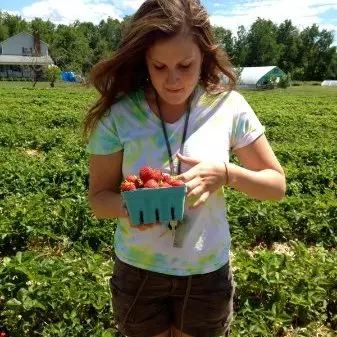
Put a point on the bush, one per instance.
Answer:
(284, 81)
(53, 73)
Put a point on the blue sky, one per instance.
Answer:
(227, 13)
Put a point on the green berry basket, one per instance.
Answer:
(150, 205)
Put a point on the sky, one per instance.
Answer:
(226, 13)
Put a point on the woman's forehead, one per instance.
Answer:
(176, 48)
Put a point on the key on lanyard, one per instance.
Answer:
(173, 225)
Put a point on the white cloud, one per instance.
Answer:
(12, 12)
(229, 14)
(133, 4)
(302, 13)
(68, 11)
(65, 11)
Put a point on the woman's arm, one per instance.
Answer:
(261, 176)
(105, 175)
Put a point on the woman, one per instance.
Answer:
(162, 104)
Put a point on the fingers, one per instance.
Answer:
(193, 187)
(145, 226)
(188, 175)
(187, 160)
(202, 200)
(142, 227)
(196, 193)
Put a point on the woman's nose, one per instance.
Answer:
(172, 78)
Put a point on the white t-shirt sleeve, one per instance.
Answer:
(104, 137)
(246, 126)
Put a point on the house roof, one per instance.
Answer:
(25, 60)
(1, 42)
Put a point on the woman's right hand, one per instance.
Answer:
(142, 227)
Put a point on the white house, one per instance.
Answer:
(21, 54)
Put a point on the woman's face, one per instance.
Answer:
(174, 67)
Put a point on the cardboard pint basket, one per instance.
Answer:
(150, 205)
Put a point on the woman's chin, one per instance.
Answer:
(175, 97)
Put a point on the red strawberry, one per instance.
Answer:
(132, 178)
(164, 184)
(177, 182)
(3, 334)
(127, 186)
(151, 184)
(145, 173)
(157, 175)
(167, 178)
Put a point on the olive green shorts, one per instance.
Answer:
(147, 303)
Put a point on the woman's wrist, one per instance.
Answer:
(231, 174)
(226, 174)
(266, 184)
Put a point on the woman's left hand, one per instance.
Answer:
(202, 179)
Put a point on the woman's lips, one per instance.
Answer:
(174, 90)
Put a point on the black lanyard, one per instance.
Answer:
(168, 146)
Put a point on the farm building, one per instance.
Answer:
(21, 55)
(255, 77)
(329, 83)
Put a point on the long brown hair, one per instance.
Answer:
(126, 70)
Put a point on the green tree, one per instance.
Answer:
(97, 43)
(224, 39)
(45, 29)
(111, 31)
(332, 70)
(4, 34)
(70, 49)
(287, 37)
(15, 24)
(101, 50)
(241, 49)
(263, 47)
(316, 52)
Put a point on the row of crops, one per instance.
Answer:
(56, 258)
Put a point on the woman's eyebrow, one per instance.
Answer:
(184, 60)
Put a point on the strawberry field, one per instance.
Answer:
(56, 258)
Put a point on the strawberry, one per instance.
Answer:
(164, 184)
(157, 175)
(177, 182)
(127, 186)
(151, 184)
(145, 173)
(3, 334)
(167, 178)
(132, 178)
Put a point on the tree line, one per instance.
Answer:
(306, 54)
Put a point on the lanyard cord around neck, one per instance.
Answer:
(168, 146)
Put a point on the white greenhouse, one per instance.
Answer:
(329, 83)
(255, 77)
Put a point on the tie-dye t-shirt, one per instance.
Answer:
(218, 124)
